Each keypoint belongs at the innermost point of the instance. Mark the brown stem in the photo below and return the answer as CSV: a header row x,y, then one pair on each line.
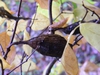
x,y
85,15
50,16
2,67
50,66
91,11
8,50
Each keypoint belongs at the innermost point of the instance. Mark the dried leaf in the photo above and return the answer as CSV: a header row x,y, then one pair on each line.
x,y
43,3
28,66
6,65
83,73
69,61
90,31
95,9
59,24
41,22
89,66
4,41
72,39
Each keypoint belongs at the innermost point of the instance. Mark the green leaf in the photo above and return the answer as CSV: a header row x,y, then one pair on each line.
x,y
80,2
80,12
91,32
91,1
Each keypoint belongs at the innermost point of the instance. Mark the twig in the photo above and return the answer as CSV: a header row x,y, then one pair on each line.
x,y
22,63
48,70
29,67
34,17
50,12
23,56
5,56
84,16
91,11
2,50
58,16
5,14
76,41
2,67
50,16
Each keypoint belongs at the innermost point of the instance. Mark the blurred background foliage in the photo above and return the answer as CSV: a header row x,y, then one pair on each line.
x,y
84,53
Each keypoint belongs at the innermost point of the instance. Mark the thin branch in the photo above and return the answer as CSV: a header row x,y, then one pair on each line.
x,y
23,56
2,50
5,14
50,12
29,67
21,63
34,17
5,56
77,40
58,16
91,11
2,66
84,16
48,70
50,16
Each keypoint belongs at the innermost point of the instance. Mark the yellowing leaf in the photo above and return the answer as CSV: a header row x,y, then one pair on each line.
x,y
26,35
69,61
90,31
2,20
80,12
26,48
28,66
41,22
56,11
20,27
4,41
6,65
